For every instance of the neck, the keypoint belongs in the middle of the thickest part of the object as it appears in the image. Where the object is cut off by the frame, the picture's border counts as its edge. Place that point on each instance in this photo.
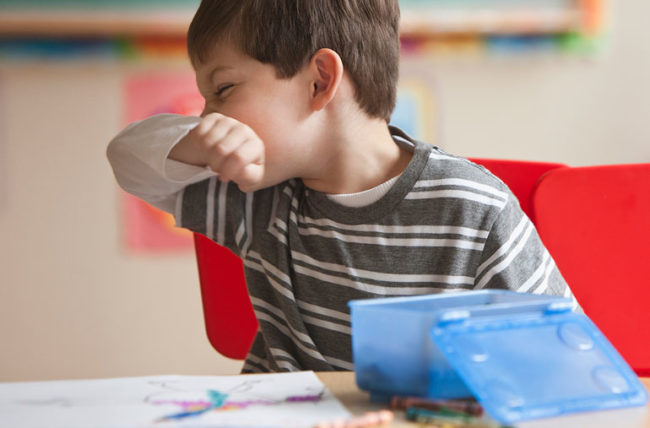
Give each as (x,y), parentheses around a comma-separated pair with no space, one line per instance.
(354,159)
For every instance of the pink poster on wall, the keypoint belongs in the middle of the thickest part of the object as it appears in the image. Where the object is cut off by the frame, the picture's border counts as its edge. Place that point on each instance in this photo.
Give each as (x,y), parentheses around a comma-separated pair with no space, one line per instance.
(146,228)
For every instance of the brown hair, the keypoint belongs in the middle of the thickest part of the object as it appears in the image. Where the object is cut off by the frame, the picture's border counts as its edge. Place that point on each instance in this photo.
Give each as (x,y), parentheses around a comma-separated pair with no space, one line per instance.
(286,33)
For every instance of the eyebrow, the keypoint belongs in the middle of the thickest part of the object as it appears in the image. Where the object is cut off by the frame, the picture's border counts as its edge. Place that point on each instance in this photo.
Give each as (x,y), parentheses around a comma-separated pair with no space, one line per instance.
(217,70)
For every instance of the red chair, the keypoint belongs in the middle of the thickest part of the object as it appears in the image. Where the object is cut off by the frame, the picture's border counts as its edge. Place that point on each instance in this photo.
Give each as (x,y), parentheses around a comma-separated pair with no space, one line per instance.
(519,176)
(595,221)
(229,319)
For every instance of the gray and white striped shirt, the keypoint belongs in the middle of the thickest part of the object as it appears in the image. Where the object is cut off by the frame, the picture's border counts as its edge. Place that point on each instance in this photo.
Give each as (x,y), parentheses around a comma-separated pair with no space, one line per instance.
(445,224)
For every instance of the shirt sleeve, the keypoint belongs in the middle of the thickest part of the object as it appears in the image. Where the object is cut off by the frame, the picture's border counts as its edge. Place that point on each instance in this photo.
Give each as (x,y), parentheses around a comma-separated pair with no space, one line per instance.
(223,213)
(515,258)
(139,158)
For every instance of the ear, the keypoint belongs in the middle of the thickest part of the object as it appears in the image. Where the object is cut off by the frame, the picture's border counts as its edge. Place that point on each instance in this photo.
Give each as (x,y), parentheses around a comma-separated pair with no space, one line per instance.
(326,72)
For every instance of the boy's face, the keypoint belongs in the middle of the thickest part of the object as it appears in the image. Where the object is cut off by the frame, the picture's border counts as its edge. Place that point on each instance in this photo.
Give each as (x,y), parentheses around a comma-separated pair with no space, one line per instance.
(249,91)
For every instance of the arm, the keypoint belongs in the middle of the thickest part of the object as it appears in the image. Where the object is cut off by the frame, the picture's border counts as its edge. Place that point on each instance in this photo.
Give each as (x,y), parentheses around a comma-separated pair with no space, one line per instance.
(156,158)
(139,158)
(515,258)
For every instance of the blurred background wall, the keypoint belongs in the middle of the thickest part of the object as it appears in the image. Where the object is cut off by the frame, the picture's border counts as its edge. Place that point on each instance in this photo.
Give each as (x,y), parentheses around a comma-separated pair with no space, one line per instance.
(74,303)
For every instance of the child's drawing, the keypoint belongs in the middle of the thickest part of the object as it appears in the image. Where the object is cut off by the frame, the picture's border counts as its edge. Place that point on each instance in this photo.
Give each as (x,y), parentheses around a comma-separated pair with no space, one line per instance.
(287,400)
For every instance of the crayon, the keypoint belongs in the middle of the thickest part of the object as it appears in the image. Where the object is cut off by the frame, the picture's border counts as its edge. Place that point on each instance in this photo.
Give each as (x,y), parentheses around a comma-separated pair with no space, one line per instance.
(424,415)
(461,406)
(445,420)
(370,419)
(445,412)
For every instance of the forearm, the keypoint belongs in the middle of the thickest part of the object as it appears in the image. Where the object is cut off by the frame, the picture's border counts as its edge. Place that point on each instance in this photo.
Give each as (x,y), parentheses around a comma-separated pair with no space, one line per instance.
(139,157)
(188,152)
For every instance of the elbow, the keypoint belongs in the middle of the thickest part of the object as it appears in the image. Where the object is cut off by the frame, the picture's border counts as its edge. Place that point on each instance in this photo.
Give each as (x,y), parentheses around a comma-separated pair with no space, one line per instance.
(120,160)
(119,147)
(114,150)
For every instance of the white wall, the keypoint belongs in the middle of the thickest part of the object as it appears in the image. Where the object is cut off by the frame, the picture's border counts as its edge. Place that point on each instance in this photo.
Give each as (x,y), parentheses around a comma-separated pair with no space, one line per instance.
(73,304)
(572,109)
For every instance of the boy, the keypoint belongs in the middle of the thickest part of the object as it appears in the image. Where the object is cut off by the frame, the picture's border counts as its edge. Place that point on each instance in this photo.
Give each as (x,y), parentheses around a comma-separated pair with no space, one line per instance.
(293,167)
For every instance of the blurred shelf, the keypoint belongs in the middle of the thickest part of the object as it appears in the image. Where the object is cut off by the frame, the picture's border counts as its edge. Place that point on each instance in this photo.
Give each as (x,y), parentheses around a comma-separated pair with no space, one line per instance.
(434,23)
(424,21)
(157,28)
(102,23)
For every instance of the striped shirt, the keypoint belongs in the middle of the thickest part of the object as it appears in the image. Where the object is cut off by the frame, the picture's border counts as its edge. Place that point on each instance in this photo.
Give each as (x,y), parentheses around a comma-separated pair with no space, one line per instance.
(445,224)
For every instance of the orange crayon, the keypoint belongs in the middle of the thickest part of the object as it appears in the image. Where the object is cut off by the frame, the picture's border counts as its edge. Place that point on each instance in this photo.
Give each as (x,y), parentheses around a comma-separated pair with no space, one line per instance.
(370,419)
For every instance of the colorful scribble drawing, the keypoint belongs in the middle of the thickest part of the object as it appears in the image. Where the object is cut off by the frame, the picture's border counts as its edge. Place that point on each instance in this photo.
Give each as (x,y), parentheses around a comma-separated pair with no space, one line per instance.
(222,401)
(287,400)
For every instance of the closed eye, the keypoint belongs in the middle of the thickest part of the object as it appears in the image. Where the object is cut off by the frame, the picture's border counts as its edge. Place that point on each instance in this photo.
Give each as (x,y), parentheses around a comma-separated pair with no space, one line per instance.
(222,89)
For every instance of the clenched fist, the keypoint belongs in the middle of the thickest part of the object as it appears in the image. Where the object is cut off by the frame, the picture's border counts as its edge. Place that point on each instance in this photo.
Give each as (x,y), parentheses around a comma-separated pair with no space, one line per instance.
(228,147)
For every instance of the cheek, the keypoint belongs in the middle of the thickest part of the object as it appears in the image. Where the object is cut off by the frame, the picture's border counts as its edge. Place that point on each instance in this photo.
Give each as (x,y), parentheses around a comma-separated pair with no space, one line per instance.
(268,119)
(273,115)
(253,116)
(262,121)
(275,136)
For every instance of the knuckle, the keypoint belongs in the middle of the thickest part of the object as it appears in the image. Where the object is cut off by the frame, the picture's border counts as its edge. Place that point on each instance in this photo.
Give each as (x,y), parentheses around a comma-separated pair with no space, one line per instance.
(229,121)
(246,131)
(237,132)
(218,150)
(212,116)
(239,158)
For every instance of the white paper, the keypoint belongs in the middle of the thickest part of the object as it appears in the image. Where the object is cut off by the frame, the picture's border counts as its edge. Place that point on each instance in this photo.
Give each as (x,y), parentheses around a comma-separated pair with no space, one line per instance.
(270,400)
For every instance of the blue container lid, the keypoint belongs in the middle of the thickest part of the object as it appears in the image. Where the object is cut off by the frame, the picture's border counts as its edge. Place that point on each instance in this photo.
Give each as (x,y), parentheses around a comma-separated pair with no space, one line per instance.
(538,365)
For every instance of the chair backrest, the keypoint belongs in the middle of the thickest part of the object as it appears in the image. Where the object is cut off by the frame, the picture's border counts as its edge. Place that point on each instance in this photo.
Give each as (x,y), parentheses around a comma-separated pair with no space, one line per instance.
(230,322)
(519,176)
(595,221)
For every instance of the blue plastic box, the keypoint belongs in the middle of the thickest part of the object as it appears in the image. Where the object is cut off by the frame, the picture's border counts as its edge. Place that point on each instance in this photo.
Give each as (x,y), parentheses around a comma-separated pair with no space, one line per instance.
(523,356)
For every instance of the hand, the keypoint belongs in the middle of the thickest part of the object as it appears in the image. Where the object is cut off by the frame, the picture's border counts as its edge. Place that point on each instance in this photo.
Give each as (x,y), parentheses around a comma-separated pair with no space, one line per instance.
(229,147)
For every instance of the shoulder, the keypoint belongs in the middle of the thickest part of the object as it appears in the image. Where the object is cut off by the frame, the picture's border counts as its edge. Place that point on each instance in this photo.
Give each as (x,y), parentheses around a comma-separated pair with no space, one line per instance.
(440,165)
(456,178)
(443,165)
